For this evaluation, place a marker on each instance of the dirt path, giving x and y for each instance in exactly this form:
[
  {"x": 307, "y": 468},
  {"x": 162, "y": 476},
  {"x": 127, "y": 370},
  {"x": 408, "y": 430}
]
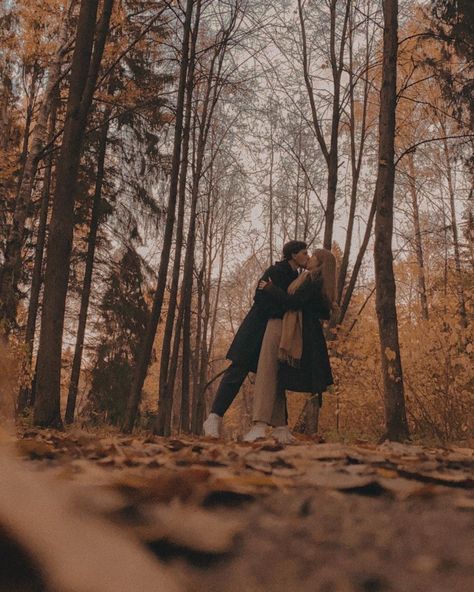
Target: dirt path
[{"x": 212, "y": 516}]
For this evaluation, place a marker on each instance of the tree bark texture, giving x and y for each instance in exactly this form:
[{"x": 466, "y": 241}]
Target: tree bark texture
[
  {"x": 213, "y": 84},
  {"x": 166, "y": 384},
  {"x": 356, "y": 154},
  {"x": 146, "y": 346},
  {"x": 330, "y": 151},
  {"x": 10, "y": 272},
  {"x": 84, "y": 72},
  {"x": 24, "y": 398},
  {"x": 454, "y": 226},
  {"x": 87, "y": 282},
  {"x": 417, "y": 235},
  {"x": 394, "y": 399}
]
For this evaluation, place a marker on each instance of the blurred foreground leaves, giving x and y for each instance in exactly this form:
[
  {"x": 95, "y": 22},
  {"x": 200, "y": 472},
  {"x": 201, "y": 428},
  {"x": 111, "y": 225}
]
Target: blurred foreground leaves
[{"x": 107, "y": 512}]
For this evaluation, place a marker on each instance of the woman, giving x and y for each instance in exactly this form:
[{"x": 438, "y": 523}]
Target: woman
[{"x": 294, "y": 354}]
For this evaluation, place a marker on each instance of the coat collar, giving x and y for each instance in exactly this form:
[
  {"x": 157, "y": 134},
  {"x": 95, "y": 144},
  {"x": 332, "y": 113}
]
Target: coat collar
[{"x": 284, "y": 265}]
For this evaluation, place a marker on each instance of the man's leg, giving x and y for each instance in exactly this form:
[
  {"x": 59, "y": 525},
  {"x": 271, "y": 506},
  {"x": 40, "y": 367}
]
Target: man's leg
[{"x": 230, "y": 385}]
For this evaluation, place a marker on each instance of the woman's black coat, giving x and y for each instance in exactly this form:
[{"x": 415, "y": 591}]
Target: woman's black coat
[
  {"x": 314, "y": 374},
  {"x": 245, "y": 348}
]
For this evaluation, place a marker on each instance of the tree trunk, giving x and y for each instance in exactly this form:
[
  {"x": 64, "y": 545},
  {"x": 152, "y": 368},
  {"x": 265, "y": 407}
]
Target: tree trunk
[
  {"x": 454, "y": 226},
  {"x": 270, "y": 196},
  {"x": 10, "y": 273},
  {"x": 330, "y": 153},
  {"x": 31, "y": 95},
  {"x": 24, "y": 398},
  {"x": 87, "y": 282},
  {"x": 203, "y": 316},
  {"x": 209, "y": 103},
  {"x": 308, "y": 420},
  {"x": 395, "y": 415},
  {"x": 186, "y": 299},
  {"x": 358, "y": 263},
  {"x": 162, "y": 426},
  {"x": 417, "y": 232},
  {"x": 146, "y": 346},
  {"x": 84, "y": 72},
  {"x": 356, "y": 158}
]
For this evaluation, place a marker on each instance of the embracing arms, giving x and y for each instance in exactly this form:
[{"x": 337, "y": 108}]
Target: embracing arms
[{"x": 308, "y": 295}]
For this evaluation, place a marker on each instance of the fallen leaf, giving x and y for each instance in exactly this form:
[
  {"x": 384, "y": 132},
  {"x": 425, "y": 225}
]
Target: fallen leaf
[
  {"x": 36, "y": 449},
  {"x": 191, "y": 528},
  {"x": 73, "y": 549}
]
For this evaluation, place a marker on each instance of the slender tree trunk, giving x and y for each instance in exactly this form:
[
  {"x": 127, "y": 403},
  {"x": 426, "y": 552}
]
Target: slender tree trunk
[
  {"x": 163, "y": 422},
  {"x": 174, "y": 362},
  {"x": 358, "y": 263},
  {"x": 202, "y": 320},
  {"x": 330, "y": 153},
  {"x": 186, "y": 291},
  {"x": 84, "y": 72},
  {"x": 31, "y": 95},
  {"x": 10, "y": 272},
  {"x": 87, "y": 282},
  {"x": 356, "y": 158},
  {"x": 270, "y": 197},
  {"x": 454, "y": 226},
  {"x": 215, "y": 307},
  {"x": 395, "y": 415},
  {"x": 146, "y": 346},
  {"x": 297, "y": 188},
  {"x": 208, "y": 106},
  {"x": 24, "y": 398},
  {"x": 418, "y": 241}
]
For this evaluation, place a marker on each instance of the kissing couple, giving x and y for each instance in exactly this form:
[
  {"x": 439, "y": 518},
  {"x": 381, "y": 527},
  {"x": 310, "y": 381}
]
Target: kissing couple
[{"x": 282, "y": 340}]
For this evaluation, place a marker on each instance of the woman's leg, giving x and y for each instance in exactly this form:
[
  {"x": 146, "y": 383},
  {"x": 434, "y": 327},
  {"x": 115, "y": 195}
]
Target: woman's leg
[
  {"x": 279, "y": 412},
  {"x": 266, "y": 381}
]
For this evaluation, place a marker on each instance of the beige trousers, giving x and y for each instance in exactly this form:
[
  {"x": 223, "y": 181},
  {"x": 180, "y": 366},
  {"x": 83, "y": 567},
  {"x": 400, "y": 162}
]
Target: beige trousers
[{"x": 269, "y": 402}]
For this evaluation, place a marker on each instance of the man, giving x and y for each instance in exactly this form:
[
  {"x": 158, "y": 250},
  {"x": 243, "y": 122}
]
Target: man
[{"x": 245, "y": 348}]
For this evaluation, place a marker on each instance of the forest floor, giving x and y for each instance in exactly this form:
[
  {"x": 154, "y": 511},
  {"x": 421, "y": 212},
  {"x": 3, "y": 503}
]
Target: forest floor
[{"x": 82, "y": 512}]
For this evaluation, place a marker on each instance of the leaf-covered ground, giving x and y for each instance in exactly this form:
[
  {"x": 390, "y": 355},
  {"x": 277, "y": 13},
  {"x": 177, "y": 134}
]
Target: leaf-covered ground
[{"x": 84, "y": 513}]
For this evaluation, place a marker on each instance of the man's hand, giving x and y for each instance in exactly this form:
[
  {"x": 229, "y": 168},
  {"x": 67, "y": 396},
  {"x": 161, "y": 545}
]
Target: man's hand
[{"x": 262, "y": 284}]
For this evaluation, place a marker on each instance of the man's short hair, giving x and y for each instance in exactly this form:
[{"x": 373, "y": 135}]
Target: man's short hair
[{"x": 292, "y": 247}]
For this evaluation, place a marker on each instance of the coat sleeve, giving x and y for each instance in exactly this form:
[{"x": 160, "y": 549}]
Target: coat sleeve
[
  {"x": 274, "y": 302},
  {"x": 289, "y": 301},
  {"x": 308, "y": 295}
]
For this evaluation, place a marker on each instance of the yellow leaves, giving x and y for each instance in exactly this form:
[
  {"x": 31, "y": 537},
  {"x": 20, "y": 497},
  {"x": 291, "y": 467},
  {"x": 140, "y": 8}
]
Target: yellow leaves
[{"x": 390, "y": 354}]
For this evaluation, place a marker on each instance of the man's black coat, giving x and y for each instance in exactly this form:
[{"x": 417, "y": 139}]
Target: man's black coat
[{"x": 245, "y": 348}]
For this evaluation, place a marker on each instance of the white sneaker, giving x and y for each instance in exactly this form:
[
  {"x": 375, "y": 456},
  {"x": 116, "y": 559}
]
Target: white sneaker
[
  {"x": 257, "y": 431},
  {"x": 212, "y": 426},
  {"x": 283, "y": 435}
]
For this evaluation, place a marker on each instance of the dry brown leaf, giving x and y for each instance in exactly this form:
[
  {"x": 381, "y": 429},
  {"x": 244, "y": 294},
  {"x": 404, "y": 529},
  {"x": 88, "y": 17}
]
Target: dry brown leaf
[
  {"x": 244, "y": 483},
  {"x": 464, "y": 503},
  {"x": 190, "y": 528},
  {"x": 164, "y": 486},
  {"x": 387, "y": 473},
  {"x": 74, "y": 550},
  {"x": 36, "y": 449},
  {"x": 329, "y": 477}
]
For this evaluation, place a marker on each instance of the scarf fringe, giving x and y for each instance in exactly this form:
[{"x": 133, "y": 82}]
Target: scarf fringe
[{"x": 286, "y": 357}]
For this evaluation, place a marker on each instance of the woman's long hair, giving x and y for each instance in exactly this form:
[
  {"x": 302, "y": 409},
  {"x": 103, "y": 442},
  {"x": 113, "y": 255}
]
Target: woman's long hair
[{"x": 322, "y": 267}]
